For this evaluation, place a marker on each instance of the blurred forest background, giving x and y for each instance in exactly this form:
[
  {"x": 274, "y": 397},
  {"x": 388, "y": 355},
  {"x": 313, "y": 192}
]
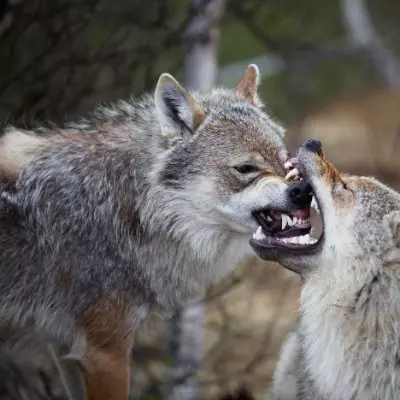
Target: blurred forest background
[{"x": 330, "y": 69}]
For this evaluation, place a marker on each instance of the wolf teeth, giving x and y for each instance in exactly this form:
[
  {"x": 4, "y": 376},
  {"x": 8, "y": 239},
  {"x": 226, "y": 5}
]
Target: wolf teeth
[
  {"x": 288, "y": 165},
  {"x": 300, "y": 240},
  {"x": 293, "y": 173},
  {"x": 259, "y": 234},
  {"x": 290, "y": 221},
  {"x": 314, "y": 204},
  {"x": 304, "y": 239},
  {"x": 284, "y": 221}
]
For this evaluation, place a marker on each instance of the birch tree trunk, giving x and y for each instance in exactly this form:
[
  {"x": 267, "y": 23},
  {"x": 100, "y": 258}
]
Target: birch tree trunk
[
  {"x": 361, "y": 32},
  {"x": 185, "y": 330}
]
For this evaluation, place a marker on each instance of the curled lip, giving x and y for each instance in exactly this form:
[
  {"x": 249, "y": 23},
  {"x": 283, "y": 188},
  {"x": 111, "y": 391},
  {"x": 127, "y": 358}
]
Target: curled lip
[
  {"x": 271, "y": 222},
  {"x": 271, "y": 242}
]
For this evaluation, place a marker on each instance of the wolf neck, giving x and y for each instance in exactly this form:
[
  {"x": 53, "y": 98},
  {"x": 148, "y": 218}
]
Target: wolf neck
[
  {"x": 193, "y": 252},
  {"x": 350, "y": 331}
]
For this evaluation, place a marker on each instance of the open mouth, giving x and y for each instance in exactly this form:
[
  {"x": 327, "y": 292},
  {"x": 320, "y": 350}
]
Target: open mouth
[{"x": 288, "y": 230}]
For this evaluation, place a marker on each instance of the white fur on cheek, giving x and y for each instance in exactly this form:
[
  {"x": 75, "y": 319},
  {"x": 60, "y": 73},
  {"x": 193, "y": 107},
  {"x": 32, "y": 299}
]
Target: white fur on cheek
[{"x": 237, "y": 211}]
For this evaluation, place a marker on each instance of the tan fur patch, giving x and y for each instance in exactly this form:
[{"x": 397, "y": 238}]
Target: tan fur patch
[
  {"x": 332, "y": 175},
  {"x": 247, "y": 87},
  {"x": 17, "y": 148},
  {"x": 199, "y": 114},
  {"x": 107, "y": 378},
  {"x": 106, "y": 362},
  {"x": 104, "y": 324},
  {"x": 362, "y": 183}
]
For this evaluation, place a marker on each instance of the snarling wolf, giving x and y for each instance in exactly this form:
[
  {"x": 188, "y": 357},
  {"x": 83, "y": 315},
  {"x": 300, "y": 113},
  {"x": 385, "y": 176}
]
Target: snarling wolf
[
  {"x": 135, "y": 210},
  {"x": 347, "y": 343}
]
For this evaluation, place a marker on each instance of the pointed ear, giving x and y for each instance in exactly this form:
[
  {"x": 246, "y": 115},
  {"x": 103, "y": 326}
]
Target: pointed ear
[
  {"x": 248, "y": 86},
  {"x": 179, "y": 114}
]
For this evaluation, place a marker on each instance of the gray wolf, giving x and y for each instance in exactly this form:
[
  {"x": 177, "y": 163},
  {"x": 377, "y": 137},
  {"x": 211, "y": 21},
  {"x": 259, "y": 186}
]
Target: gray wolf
[
  {"x": 134, "y": 211},
  {"x": 346, "y": 345}
]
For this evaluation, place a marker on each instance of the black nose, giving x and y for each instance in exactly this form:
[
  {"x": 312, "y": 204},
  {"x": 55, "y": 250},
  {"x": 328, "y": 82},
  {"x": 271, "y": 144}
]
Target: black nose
[
  {"x": 313, "y": 145},
  {"x": 300, "y": 194}
]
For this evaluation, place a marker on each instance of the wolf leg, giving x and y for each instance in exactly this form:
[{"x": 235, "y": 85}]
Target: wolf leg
[
  {"x": 109, "y": 343},
  {"x": 106, "y": 373}
]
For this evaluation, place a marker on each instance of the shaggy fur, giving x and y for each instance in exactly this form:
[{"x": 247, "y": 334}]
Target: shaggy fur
[
  {"x": 347, "y": 344},
  {"x": 30, "y": 369},
  {"x": 135, "y": 210}
]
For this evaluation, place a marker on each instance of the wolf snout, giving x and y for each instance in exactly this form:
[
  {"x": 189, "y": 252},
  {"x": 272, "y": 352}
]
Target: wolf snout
[
  {"x": 313, "y": 145},
  {"x": 300, "y": 194}
]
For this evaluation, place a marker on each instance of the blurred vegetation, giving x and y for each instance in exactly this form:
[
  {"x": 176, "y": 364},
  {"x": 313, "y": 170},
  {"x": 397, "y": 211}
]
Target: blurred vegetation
[{"x": 61, "y": 57}]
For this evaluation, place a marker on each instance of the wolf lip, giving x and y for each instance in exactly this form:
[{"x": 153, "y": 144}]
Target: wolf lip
[
  {"x": 299, "y": 244},
  {"x": 283, "y": 224},
  {"x": 278, "y": 235}
]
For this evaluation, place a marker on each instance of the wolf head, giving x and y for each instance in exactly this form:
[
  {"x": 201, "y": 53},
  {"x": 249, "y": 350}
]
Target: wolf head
[
  {"x": 225, "y": 157},
  {"x": 361, "y": 220},
  {"x": 209, "y": 167}
]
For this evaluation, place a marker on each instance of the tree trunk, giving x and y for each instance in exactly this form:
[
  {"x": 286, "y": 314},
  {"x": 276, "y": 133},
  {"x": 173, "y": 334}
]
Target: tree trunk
[
  {"x": 362, "y": 33},
  {"x": 185, "y": 329}
]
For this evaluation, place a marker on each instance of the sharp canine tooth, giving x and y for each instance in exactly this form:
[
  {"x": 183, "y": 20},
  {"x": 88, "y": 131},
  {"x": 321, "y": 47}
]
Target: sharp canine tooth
[
  {"x": 288, "y": 164},
  {"x": 289, "y": 221},
  {"x": 284, "y": 221},
  {"x": 293, "y": 172},
  {"x": 314, "y": 204}
]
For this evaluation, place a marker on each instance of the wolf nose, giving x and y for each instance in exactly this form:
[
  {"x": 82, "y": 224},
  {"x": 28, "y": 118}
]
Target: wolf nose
[
  {"x": 313, "y": 145},
  {"x": 300, "y": 194}
]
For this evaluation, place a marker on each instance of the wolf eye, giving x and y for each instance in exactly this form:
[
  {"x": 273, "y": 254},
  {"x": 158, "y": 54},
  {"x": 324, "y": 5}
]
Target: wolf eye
[
  {"x": 246, "y": 169},
  {"x": 345, "y": 187}
]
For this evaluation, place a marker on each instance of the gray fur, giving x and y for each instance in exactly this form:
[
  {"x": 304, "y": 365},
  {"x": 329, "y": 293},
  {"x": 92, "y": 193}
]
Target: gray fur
[
  {"x": 125, "y": 211},
  {"x": 347, "y": 342}
]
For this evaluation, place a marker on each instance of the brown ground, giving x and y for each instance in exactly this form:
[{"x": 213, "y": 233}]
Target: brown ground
[{"x": 261, "y": 310}]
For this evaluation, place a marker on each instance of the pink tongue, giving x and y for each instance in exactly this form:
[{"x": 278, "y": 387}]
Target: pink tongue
[{"x": 305, "y": 213}]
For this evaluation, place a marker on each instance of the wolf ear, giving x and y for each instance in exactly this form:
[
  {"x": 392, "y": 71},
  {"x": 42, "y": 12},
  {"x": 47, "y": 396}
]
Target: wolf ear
[
  {"x": 248, "y": 86},
  {"x": 179, "y": 114}
]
